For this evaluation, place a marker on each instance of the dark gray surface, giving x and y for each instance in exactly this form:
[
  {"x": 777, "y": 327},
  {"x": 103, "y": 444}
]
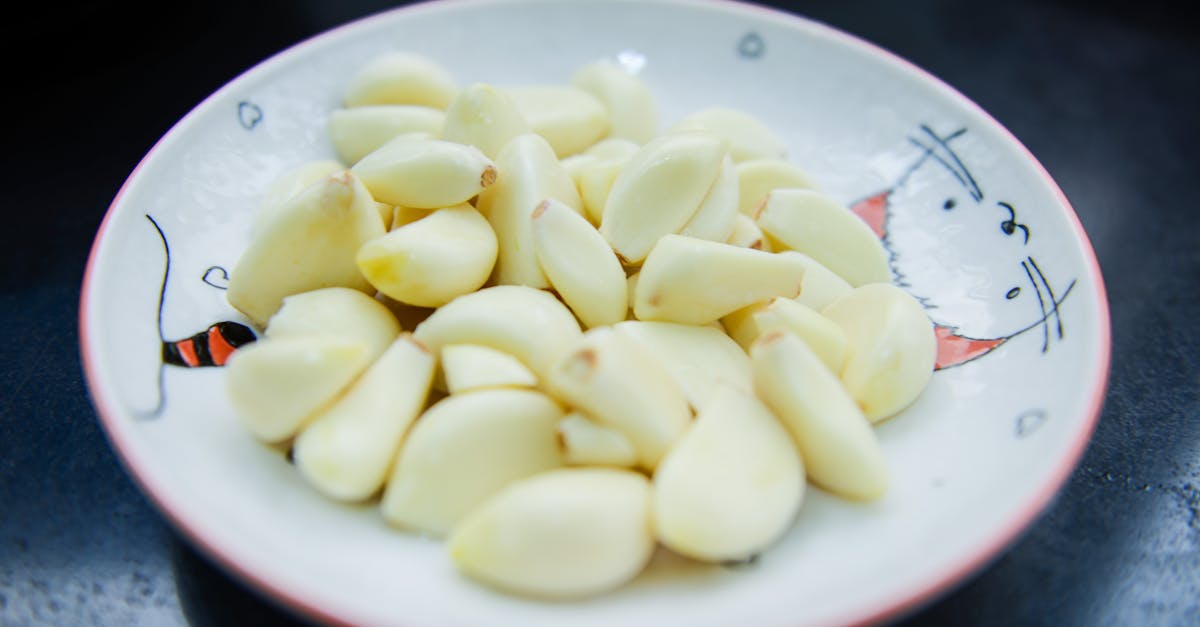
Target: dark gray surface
[{"x": 1103, "y": 93}]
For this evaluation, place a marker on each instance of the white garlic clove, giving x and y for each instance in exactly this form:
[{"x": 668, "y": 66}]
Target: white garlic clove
[
  {"x": 580, "y": 265},
  {"x": 586, "y": 443},
  {"x": 310, "y": 244},
  {"x": 528, "y": 174},
  {"x": 818, "y": 226},
  {"x": 569, "y": 118},
  {"x": 425, "y": 173},
  {"x": 567, "y": 533},
  {"x": 357, "y": 132},
  {"x": 632, "y": 111},
  {"x": 732, "y": 484},
  {"x": 891, "y": 348},
  {"x": 401, "y": 78},
  {"x": 840, "y": 451},
  {"x": 659, "y": 190},
  {"x": 338, "y": 311},
  {"x": 699, "y": 359},
  {"x": 527, "y": 323},
  {"x": 346, "y": 451},
  {"x": 484, "y": 117},
  {"x": 623, "y": 386},
  {"x": 748, "y": 137},
  {"x": 466, "y": 448},
  {"x": 430, "y": 262},
  {"x": 470, "y": 367},
  {"x": 696, "y": 281},
  {"x": 759, "y": 177},
  {"x": 716, "y": 217},
  {"x": 277, "y": 385}
]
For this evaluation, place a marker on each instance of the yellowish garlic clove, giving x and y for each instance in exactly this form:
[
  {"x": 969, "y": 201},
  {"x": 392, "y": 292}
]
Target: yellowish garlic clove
[
  {"x": 357, "y": 132},
  {"x": 430, "y": 262},
  {"x": 586, "y": 443},
  {"x": 566, "y": 533},
  {"x": 748, "y": 137},
  {"x": 309, "y": 245},
  {"x": 818, "y": 226},
  {"x": 337, "y": 311},
  {"x": 346, "y": 451},
  {"x": 579, "y": 264},
  {"x": 529, "y": 174},
  {"x": 696, "y": 281},
  {"x": 623, "y": 386},
  {"x": 527, "y": 323},
  {"x": 840, "y": 451},
  {"x": 401, "y": 78},
  {"x": 891, "y": 348},
  {"x": 759, "y": 177},
  {"x": 732, "y": 484},
  {"x": 716, "y": 217},
  {"x": 277, "y": 385},
  {"x": 699, "y": 359},
  {"x": 485, "y": 117},
  {"x": 659, "y": 190},
  {"x": 569, "y": 118},
  {"x": 425, "y": 173},
  {"x": 632, "y": 111},
  {"x": 466, "y": 448},
  {"x": 469, "y": 367}
]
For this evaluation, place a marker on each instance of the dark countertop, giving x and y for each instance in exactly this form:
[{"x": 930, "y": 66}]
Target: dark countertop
[{"x": 1103, "y": 93}]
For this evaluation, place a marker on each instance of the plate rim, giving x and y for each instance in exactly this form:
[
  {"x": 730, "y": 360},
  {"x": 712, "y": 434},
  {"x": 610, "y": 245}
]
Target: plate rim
[{"x": 914, "y": 596}]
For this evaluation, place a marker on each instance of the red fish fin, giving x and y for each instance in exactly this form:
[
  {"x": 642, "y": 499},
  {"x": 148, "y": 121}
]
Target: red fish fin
[
  {"x": 955, "y": 349},
  {"x": 873, "y": 211}
]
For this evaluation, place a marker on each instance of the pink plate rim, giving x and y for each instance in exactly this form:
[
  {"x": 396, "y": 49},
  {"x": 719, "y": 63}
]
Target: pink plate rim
[{"x": 914, "y": 596}]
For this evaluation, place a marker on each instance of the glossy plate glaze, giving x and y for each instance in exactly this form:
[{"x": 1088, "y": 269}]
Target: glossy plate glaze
[{"x": 975, "y": 227}]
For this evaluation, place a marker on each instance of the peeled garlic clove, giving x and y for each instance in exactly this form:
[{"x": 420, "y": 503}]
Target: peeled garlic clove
[
  {"x": 632, "y": 112},
  {"x": 595, "y": 181},
  {"x": 699, "y": 359},
  {"x": 580, "y": 265},
  {"x": 818, "y": 226},
  {"x": 484, "y": 117},
  {"x": 821, "y": 286},
  {"x": 529, "y": 174},
  {"x": 431, "y": 261},
  {"x": 310, "y": 245},
  {"x": 748, "y": 137},
  {"x": 425, "y": 174},
  {"x": 401, "y": 78},
  {"x": 759, "y": 177},
  {"x": 527, "y": 323},
  {"x": 466, "y": 448},
  {"x": 747, "y": 234},
  {"x": 336, "y": 311},
  {"x": 277, "y": 385},
  {"x": 569, "y": 118},
  {"x": 696, "y": 281},
  {"x": 732, "y": 484},
  {"x": 470, "y": 367},
  {"x": 892, "y": 348},
  {"x": 586, "y": 443},
  {"x": 840, "y": 451},
  {"x": 742, "y": 326},
  {"x": 826, "y": 339},
  {"x": 659, "y": 190},
  {"x": 347, "y": 449},
  {"x": 613, "y": 148},
  {"x": 562, "y": 534},
  {"x": 716, "y": 217},
  {"x": 407, "y": 215},
  {"x": 288, "y": 185},
  {"x": 623, "y": 386},
  {"x": 576, "y": 164},
  {"x": 359, "y": 131}
]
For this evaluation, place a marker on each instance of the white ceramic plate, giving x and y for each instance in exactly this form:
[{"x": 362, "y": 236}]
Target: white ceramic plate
[{"x": 975, "y": 226}]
